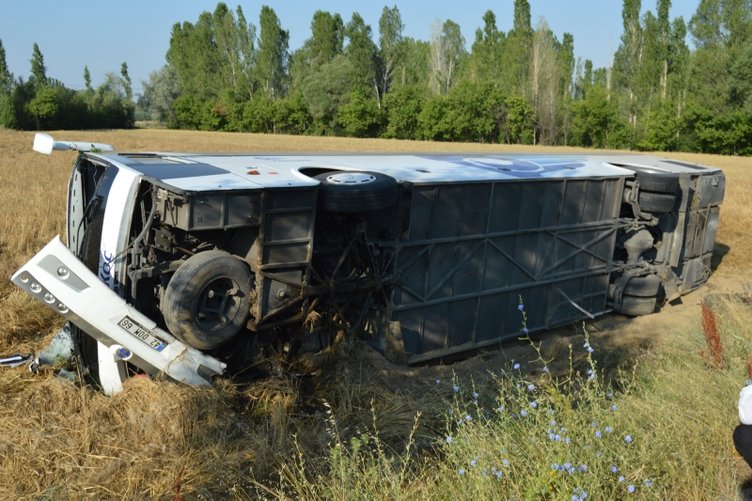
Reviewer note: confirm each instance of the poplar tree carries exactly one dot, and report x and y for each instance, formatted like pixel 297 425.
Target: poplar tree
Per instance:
pixel 38 69
pixel 271 66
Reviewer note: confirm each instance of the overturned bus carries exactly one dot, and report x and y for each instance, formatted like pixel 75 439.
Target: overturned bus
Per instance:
pixel 192 266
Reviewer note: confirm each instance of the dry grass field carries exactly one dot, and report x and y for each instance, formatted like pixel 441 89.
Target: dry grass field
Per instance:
pixel 158 439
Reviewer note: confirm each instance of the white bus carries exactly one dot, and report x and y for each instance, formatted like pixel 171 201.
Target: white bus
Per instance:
pixel 195 265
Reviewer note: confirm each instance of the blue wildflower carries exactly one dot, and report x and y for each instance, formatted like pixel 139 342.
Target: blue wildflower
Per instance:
pixel 530 387
pixel 582 468
pixel 533 404
pixel 598 434
pixel 500 408
pixel 498 474
pixel 588 347
pixel 516 366
pixel 521 307
pixel 523 413
pixel 473 462
pixel 608 429
pixel 475 395
pixel 438 381
pixel 621 478
pixel 448 439
pixel 505 462
pixel 455 388
pixel 579 494
pixel 598 454
pixel 524 329
pixel 614 469
pixel 648 482
pixel 468 418
pixel 630 488
pixel 545 368
pixel 628 439
pixel 567 440
pixel 461 471
pixel 614 407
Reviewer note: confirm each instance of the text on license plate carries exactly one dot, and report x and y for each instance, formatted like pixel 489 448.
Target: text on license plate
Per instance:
pixel 141 333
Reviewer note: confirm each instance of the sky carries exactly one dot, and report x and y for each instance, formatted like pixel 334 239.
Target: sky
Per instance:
pixel 102 34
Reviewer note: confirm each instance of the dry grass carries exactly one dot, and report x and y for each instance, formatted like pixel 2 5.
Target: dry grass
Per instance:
pixel 158 439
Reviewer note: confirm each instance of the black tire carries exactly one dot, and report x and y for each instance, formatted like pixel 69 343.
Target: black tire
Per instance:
pixel 207 301
pixel 643 286
pixel 637 306
pixel 656 180
pixel 345 191
pixel 657 203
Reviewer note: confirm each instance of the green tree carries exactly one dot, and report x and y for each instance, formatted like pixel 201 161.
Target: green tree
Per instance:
pixel 362 54
pixel 516 53
pixel 271 66
pixel 327 37
pixel 325 90
pixel 125 81
pixel 360 116
pixel 38 69
pixel 87 80
pixel 447 53
pixel 44 106
pixel 7 118
pixel 391 47
pixel 403 105
pixel 485 58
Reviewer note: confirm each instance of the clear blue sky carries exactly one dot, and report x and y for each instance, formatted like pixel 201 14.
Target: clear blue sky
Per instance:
pixel 102 34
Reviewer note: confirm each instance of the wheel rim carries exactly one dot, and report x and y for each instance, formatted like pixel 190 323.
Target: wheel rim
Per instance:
pixel 349 178
pixel 217 304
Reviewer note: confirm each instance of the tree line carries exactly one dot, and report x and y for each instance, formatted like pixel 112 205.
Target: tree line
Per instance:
pixel 45 103
pixel 522 86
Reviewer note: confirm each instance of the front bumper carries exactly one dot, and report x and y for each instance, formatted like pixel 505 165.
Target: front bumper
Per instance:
pixel 58 279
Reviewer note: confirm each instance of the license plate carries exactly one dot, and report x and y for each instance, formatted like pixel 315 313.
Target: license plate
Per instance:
pixel 141 333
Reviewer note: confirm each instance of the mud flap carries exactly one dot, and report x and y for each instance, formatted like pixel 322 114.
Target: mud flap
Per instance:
pixel 58 279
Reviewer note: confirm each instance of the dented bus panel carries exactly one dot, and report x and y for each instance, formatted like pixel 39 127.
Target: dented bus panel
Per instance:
pixel 225 264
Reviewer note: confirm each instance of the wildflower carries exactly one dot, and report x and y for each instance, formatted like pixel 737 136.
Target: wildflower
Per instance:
pixel 630 488
pixel 468 418
pixel 628 439
pixel 552 422
pixel 525 330
pixel 455 388
pixel 598 454
pixel 648 483
pixel 608 429
pixel 523 413
pixel 530 387
pixel 516 366
pixel 555 466
pixel 598 434
pixel 610 394
pixel 614 469
pixel 461 471
pixel 533 404
pixel 594 424
pixel 448 439
pixel 579 494
pixel 621 478
pixel 475 395
pixel 591 374
pixel 520 307
pixel 498 474
pixel 500 408
pixel 567 440
pixel 588 347
pixel 473 462
pixel 505 462
pixel 438 381
pixel 582 468
pixel 545 368
pixel 614 407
